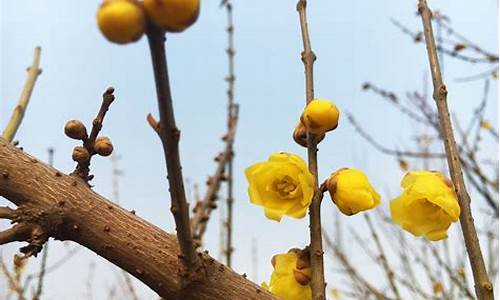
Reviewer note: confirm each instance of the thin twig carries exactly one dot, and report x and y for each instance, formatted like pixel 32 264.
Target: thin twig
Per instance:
pixel 204 208
pixel 18 113
pixel 483 286
pixel 317 268
pixel 83 168
pixel 383 259
pixel 231 122
pixel 169 136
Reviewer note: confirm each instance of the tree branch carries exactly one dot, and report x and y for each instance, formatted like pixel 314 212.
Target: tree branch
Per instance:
pixel 483 286
pixel 18 113
pixel 169 136
pixel 203 209
pixel 316 248
pixel 70 210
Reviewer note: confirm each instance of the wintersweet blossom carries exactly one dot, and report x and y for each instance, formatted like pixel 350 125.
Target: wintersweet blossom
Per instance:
pixel 282 185
pixel 427 206
pixel 351 191
pixel 291 276
pixel 320 116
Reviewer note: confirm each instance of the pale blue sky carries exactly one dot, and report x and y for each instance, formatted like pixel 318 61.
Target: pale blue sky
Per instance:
pixel 354 41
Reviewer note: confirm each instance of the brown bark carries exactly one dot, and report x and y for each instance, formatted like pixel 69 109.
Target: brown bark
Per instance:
pixel 317 267
pixel 65 208
pixel 482 284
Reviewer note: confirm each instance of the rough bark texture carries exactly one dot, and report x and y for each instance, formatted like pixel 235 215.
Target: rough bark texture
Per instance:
pixel 67 209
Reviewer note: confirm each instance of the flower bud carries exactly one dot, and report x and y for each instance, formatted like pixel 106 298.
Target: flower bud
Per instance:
pixel 75 130
pixel 121 21
pixel 301 278
pixel 103 146
pixel 351 191
pixel 173 15
pixel 80 154
pixel 300 135
pixel 320 116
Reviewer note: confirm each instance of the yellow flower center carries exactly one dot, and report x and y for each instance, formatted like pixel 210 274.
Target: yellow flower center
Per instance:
pixel 285 186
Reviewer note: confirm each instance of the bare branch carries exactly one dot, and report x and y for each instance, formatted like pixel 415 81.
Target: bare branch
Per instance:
pixel 18 113
pixel 316 247
pixel 169 136
pixel 483 286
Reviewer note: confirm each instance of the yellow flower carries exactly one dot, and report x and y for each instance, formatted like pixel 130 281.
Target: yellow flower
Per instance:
pixel 320 116
pixel 121 21
pixel 427 206
pixel 173 15
pixel 282 185
pixel 335 293
pixel 351 191
pixel 287 280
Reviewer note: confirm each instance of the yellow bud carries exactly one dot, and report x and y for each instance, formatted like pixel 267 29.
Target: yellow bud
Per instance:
pixel 103 146
pixel 75 130
pixel 80 154
pixel 351 191
pixel 300 135
pixel 320 116
pixel 121 21
pixel 173 15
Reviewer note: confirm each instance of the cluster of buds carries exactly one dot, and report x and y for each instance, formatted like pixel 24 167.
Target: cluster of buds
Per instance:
pixel 102 146
pixel 318 117
pixel 125 21
pixel 76 130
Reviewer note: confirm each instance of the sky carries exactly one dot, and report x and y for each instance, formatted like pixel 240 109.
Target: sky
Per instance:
pixel 354 41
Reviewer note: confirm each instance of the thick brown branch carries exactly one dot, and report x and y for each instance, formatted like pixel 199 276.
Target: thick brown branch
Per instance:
pixel 317 268
pixel 483 286
pixel 169 136
pixel 69 210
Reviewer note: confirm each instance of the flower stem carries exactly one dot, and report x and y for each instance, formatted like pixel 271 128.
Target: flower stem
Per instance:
pixel 317 268
pixel 482 284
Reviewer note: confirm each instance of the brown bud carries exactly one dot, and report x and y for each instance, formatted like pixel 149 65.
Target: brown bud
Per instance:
pixel 103 146
pixel 301 277
pixel 80 154
pixel 300 135
pixel 75 130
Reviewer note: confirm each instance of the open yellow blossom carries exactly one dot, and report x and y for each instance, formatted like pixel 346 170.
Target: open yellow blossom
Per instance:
pixel 427 206
pixel 320 116
pixel 351 191
pixel 282 185
pixel 287 280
